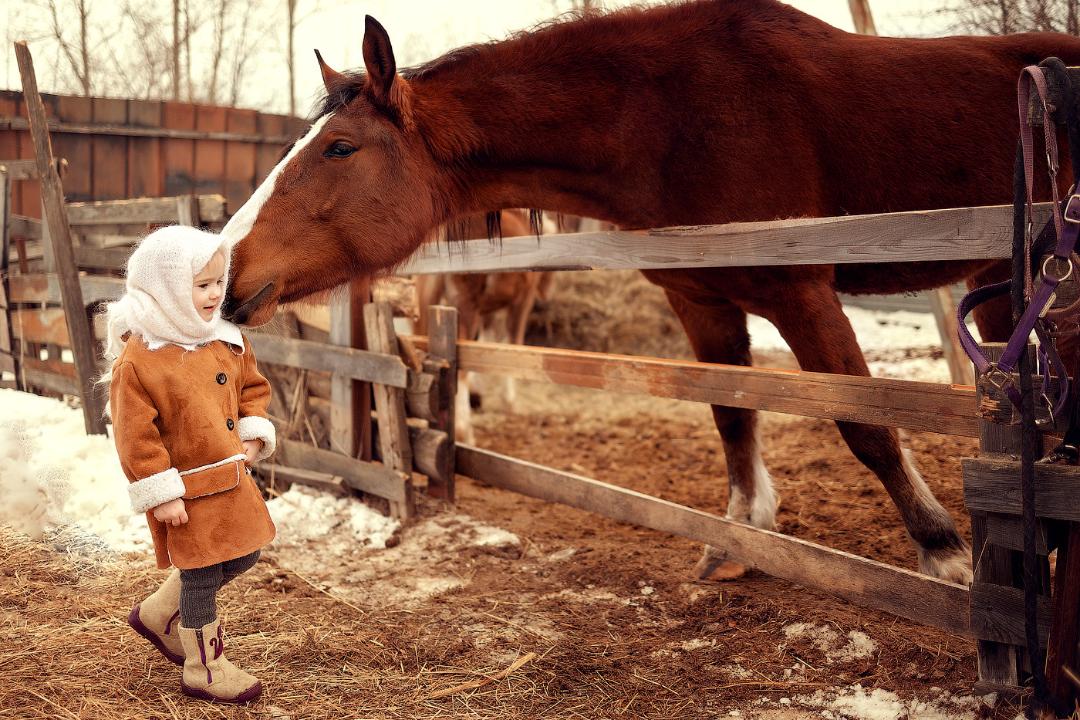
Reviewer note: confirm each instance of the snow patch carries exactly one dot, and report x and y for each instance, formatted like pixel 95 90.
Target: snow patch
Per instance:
pixel 858 703
pixel 855 646
pixel 339 525
pixel 53 475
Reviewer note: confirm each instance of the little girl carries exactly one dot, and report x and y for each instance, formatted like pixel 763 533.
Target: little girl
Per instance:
pixel 189 415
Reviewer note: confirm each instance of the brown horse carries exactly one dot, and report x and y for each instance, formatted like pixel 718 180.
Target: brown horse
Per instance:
pixel 697 112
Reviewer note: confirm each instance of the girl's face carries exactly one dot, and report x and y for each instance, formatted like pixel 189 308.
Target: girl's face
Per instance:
pixel 209 287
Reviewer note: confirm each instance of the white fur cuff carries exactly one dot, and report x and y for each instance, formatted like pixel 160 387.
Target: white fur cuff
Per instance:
pixel 254 427
pixel 152 491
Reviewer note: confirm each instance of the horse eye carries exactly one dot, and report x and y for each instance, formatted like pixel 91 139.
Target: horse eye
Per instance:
pixel 339 150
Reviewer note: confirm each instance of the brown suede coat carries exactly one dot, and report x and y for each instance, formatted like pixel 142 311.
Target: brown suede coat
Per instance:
pixel 174 408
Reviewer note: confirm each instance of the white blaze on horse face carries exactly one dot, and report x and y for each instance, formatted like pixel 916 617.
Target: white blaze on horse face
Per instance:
pixel 243 220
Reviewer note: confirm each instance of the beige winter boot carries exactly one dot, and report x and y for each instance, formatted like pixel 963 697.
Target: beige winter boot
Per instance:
pixel 208 674
pixel 157 618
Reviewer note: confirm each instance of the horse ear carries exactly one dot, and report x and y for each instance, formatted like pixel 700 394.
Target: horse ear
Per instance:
pixel 378 59
pixel 331 78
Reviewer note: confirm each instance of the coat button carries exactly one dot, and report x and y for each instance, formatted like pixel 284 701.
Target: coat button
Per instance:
pixel 222 378
pixel 229 423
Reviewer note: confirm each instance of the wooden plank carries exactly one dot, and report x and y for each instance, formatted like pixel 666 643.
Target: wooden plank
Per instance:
pixel 913 405
pixel 110 151
pixel 1062 648
pixel 144 175
pixel 101 258
pixel 8 122
pixel 321 481
pixel 350 401
pixel 952 234
pixel 431 453
pixel 187 210
pixel 998 663
pixel 142 210
pixel 76 149
pixel 961 369
pixel 26 227
pixel 993 485
pixel 1007 531
pixel 240 157
pixel 178 151
pixel 345 361
pixel 366 477
pixel 45 288
pixel 6 335
pixel 858 580
pixel 210 154
pixel 82 342
pixel 268 154
pixel 997 614
pixel 394 444
pixel 43 325
pixel 7 363
pixel 20 169
pixel 54 383
pixel 51 366
pixel 443 326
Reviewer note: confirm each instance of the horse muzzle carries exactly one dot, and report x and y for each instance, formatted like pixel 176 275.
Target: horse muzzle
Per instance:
pixel 240 312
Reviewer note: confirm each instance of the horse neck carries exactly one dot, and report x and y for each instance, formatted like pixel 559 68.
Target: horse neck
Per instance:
pixel 578 118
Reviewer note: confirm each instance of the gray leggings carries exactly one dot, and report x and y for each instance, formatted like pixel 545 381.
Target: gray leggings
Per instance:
pixel 199 587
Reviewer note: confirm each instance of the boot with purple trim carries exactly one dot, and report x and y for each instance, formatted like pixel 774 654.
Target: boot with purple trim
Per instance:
pixel 157 618
pixel 208 674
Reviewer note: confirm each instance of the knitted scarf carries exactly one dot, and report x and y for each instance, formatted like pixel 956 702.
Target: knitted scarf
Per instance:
pixel 157 303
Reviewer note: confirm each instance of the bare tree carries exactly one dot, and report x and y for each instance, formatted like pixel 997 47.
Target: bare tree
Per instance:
pixel 293 21
pixel 76 51
pixel 1000 17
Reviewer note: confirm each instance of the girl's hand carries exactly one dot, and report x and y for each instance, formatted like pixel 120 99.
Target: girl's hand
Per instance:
pixel 172 512
pixel 252 448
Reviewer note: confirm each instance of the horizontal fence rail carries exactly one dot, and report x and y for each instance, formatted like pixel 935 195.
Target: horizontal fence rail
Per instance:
pixel 930 407
pixel 977 233
pixel 858 580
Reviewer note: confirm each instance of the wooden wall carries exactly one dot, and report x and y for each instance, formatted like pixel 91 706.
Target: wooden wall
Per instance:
pixel 118 148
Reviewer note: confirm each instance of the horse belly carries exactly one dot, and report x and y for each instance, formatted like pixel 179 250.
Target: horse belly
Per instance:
pixel 890 278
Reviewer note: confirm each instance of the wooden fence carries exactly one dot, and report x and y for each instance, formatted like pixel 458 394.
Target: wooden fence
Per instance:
pixel 991 610
pixel 35 342
pixel 118 148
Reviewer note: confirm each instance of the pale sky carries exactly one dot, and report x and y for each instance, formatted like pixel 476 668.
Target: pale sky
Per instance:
pixel 421 30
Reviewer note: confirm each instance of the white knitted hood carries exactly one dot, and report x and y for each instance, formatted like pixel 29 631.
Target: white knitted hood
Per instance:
pixel 157 304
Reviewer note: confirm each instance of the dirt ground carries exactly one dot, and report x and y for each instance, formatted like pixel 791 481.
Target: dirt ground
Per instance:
pixel 618 627
pixel 596 619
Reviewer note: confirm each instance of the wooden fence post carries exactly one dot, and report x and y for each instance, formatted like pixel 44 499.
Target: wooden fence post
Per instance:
pixel 9 360
pixel 944 309
pixel 442 344
pixel 394 444
pixel 82 344
pixel 350 401
pixel 187 210
pixel 1000 665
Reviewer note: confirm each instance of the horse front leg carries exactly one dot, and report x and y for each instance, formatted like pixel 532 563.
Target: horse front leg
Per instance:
pixel 717 333
pixel 812 321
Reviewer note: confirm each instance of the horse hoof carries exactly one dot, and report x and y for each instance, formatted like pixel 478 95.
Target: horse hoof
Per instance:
pixel 949 564
pixel 725 571
pixel 714 565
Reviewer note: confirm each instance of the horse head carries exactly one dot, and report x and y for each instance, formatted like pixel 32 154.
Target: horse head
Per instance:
pixel 352 196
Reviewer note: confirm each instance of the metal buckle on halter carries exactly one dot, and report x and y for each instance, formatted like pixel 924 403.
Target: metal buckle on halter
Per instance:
pixel 994 371
pixel 1067 261
pixel 1072 212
